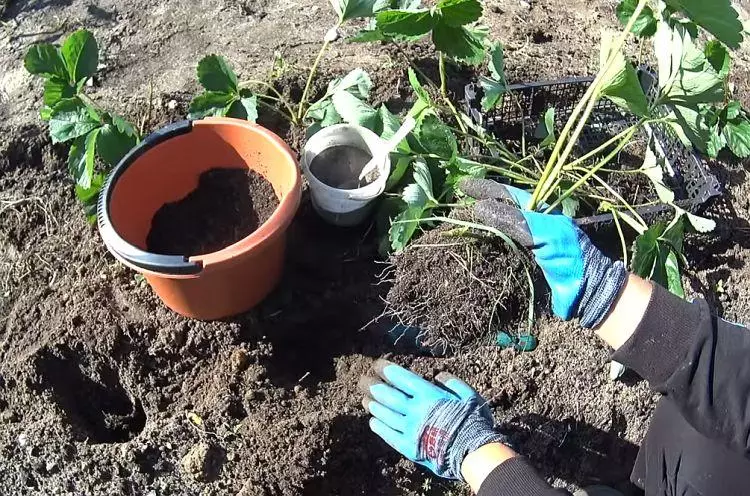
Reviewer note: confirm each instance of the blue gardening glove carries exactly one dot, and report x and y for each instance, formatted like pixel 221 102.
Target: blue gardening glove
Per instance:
pixel 431 425
pixel 584 283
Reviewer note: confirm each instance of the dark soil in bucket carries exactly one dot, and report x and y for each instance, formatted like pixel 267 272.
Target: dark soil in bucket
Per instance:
pixel 227 206
pixel 340 167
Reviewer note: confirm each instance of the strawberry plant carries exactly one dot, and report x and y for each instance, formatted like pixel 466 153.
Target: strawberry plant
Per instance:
pixel 73 118
pixel 344 101
pixel 693 101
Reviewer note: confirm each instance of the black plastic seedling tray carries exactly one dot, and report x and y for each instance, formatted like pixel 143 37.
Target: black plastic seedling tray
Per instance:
pixel 685 172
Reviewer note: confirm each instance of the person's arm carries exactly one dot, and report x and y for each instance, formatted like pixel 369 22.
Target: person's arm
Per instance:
pixel 497 470
pixel 699 361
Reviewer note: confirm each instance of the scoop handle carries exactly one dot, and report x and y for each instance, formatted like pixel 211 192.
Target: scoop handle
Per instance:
pixel 407 127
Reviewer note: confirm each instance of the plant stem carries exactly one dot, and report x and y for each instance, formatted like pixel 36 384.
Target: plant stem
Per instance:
pixel 413 65
pixel 273 108
pixel 602 148
pixel 620 199
pixel 509 174
pixel 313 71
pixel 591 172
pixel 559 156
pixel 622 236
pixel 444 93
pixel 279 96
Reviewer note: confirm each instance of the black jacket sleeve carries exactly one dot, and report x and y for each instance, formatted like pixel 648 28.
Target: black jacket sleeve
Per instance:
pixel 517 477
pixel 700 362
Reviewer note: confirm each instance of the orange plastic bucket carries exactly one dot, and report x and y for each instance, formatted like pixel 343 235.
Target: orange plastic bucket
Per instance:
pixel 165 168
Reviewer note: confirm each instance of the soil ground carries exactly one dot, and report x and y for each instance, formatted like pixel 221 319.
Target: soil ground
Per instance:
pixel 105 391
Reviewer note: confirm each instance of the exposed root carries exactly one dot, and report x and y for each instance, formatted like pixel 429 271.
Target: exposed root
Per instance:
pixel 458 291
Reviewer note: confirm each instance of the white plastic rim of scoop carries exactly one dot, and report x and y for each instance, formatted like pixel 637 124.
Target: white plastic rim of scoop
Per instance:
pixel 379 155
pixel 341 202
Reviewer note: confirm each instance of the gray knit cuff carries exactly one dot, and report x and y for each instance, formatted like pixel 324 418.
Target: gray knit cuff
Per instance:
pixel 477 431
pixel 439 430
pixel 604 280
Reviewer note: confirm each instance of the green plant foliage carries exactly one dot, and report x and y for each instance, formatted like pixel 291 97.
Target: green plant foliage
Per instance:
pixel 419 201
pixel 645 25
pixel 81 55
pixel 436 138
pixel 657 252
pixel 546 129
pixel 718 17
pixel 352 9
pixel 223 96
pixel 496 86
pixel 65 69
pixel 72 116
pixel 719 58
pixel 620 83
pixel 449 22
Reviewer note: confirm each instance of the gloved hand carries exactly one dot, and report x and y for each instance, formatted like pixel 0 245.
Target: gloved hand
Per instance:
pixel 584 283
pixel 433 426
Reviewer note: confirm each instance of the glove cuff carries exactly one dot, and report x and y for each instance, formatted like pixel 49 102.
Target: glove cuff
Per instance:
pixel 604 282
pixel 476 431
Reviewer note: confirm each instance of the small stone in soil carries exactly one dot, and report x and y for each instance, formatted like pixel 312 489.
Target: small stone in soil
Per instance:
pixel 340 167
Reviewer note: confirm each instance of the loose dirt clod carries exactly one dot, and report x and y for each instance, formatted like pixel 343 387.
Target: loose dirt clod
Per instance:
pixel 227 206
pixel 458 291
pixel 201 462
pixel 239 360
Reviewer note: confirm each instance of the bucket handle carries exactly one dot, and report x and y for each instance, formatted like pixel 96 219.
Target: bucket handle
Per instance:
pixel 164 264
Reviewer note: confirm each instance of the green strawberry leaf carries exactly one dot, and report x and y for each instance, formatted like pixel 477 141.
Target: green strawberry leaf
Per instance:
pixel 210 104
pixel 459 43
pixel 216 75
pixel 716 143
pixel 56 89
pixel 459 13
pixel 404 226
pixel 423 178
pixel 82 158
pixel 46 60
pixel 494 88
pixel 398 173
pixel 621 84
pixel 71 119
pixel 250 104
pixel 90 195
pixel 353 9
pixel 734 110
pixel 673 274
pixel 436 138
pixel 354 111
pixel 389 123
pixel 546 129
pixel 114 143
pixel 646 251
pixel 719 58
pixel 718 17
pixel 738 138
pixel 81 55
pixel 405 23
pixel 646 24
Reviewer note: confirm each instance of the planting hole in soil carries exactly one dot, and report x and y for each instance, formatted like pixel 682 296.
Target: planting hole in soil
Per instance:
pixel 340 166
pixel 91 395
pixel 227 206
